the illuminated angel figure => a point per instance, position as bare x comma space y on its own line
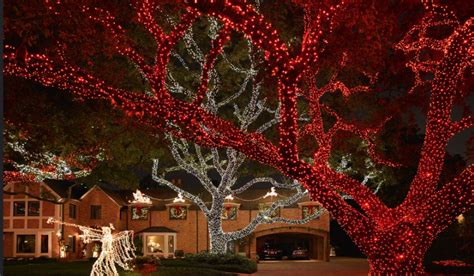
116, 248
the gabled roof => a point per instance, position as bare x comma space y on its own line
115, 196
157, 229
61, 188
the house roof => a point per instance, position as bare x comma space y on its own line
61, 188
157, 229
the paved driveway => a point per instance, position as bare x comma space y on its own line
338, 266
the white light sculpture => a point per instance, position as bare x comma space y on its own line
116, 248
179, 198
199, 161
271, 194
140, 198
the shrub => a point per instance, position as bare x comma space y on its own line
141, 260
179, 253
224, 262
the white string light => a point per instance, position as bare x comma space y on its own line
179, 199
116, 248
140, 198
271, 194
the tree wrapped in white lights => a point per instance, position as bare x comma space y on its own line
199, 161
224, 191
28, 167
116, 248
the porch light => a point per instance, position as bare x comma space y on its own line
460, 219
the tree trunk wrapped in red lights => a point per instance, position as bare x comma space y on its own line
394, 239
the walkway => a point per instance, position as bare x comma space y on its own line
338, 266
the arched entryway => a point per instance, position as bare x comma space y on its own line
287, 239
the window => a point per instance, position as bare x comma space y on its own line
139, 213
162, 244
72, 211
309, 210
229, 213
71, 242
19, 208
231, 247
262, 207
33, 208
170, 244
25, 243
155, 244
178, 212
96, 211
44, 244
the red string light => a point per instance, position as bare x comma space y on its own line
394, 240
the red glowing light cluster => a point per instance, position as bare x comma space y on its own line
394, 239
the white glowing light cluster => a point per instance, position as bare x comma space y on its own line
373, 174
179, 198
49, 166
116, 248
140, 198
271, 194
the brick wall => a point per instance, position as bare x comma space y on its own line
192, 234
110, 210
8, 244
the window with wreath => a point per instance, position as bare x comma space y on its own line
229, 212
263, 207
19, 208
309, 210
140, 213
33, 208
178, 211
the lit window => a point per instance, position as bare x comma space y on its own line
155, 244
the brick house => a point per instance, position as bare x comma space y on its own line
26, 232
162, 227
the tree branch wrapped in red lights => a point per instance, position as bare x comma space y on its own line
393, 239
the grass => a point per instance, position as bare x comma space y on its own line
84, 267
49, 269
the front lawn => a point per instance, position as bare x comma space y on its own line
82, 268
51, 268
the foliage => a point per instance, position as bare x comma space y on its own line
363, 67
138, 242
223, 262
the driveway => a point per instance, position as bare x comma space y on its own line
338, 266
